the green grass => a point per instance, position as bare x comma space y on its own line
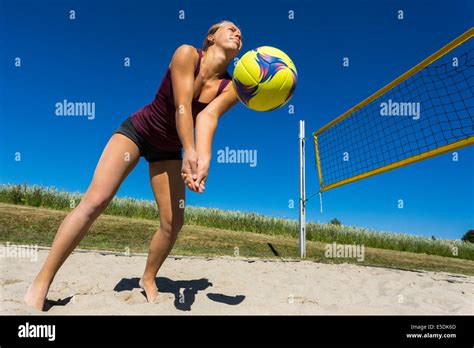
37, 226
38, 196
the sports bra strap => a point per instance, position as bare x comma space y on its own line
222, 86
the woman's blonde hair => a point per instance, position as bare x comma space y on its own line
211, 31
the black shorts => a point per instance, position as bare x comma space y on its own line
151, 153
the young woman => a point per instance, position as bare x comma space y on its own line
195, 92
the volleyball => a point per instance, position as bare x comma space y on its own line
265, 78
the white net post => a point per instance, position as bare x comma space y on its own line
302, 220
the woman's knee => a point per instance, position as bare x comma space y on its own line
93, 204
171, 227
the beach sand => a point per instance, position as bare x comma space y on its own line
94, 283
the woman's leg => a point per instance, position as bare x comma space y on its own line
118, 159
169, 191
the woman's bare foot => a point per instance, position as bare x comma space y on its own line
36, 295
151, 291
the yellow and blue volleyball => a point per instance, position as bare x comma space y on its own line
265, 78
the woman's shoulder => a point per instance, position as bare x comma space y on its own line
184, 54
187, 50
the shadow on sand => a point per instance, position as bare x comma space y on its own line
184, 291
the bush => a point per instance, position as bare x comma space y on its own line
468, 237
335, 222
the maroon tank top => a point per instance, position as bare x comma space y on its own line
156, 122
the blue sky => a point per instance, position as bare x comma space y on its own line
82, 60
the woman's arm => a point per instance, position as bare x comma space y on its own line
182, 69
206, 124
182, 79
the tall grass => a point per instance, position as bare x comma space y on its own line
238, 221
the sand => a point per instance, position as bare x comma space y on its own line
94, 283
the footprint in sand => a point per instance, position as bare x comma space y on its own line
10, 281
163, 297
132, 297
302, 300
137, 296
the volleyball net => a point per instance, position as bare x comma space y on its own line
427, 111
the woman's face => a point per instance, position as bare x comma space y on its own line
229, 37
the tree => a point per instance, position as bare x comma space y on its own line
335, 222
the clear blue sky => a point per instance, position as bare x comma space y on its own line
82, 60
